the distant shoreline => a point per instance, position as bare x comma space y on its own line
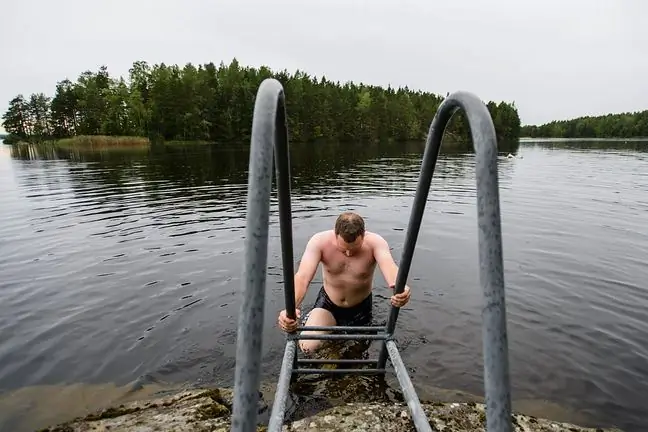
547, 139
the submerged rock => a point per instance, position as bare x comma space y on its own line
209, 410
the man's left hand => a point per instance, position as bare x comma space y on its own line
400, 300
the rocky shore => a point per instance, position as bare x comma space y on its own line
204, 410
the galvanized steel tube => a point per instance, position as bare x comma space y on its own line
345, 371
409, 393
337, 336
268, 134
491, 273
281, 394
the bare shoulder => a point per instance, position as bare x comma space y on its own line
319, 239
375, 240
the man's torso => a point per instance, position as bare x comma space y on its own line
347, 279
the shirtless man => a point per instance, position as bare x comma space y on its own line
349, 255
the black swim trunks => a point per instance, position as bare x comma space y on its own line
358, 315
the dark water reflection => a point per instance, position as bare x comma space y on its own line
123, 269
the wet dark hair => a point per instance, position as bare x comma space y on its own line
349, 226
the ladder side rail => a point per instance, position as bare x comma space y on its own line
491, 273
269, 135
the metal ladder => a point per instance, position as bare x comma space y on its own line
270, 138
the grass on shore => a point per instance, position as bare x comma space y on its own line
100, 142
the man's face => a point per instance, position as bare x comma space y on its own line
349, 249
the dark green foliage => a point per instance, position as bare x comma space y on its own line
626, 125
211, 103
11, 139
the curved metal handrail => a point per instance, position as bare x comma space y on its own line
269, 134
491, 274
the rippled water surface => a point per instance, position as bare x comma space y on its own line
121, 271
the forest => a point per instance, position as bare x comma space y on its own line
215, 104
625, 125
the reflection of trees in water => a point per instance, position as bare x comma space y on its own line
108, 169
175, 171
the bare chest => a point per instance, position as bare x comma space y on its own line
360, 265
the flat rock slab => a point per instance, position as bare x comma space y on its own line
209, 410
445, 417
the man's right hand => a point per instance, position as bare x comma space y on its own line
286, 324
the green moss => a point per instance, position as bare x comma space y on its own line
58, 429
211, 411
214, 394
482, 418
218, 408
111, 413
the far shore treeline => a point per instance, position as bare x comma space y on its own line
625, 125
215, 104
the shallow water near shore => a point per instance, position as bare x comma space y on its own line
119, 273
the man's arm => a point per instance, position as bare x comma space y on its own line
389, 269
384, 259
307, 267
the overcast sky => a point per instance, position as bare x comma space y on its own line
555, 58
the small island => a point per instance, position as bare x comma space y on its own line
209, 103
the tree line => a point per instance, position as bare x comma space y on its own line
625, 125
211, 103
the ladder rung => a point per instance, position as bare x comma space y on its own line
329, 336
337, 361
338, 371
360, 329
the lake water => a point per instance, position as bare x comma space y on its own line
120, 272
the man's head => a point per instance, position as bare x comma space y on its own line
349, 232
